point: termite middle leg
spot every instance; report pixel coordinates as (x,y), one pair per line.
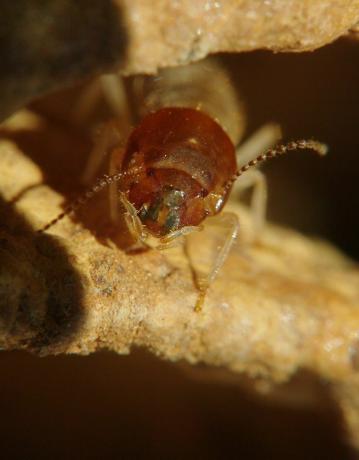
(114,132)
(109,87)
(256,179)
(114,92)
(108,136)
(264,138)
(86,102)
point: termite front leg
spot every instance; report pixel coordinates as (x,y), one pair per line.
(226,218)
(177,237)
(133,222)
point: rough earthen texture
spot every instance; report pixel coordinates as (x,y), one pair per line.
(283,304)
(54,44)
(171,33)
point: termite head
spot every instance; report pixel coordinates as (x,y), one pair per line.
(166,201)
(162,214)
(186,156)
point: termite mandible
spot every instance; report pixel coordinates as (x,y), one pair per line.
(179,163)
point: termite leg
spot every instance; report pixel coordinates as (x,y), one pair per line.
(176,238)
(204,285)
(133,222)
(256,179)
(115,94)
(114,132)
(86,103)
(264,138)
(113,195)
(109,86)
(108,136)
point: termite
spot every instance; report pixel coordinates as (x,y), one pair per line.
(179,163)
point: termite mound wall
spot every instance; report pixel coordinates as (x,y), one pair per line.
(51,45)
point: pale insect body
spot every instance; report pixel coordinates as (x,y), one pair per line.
(179,164)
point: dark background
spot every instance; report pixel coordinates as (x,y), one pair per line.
(312,95)
(108,406)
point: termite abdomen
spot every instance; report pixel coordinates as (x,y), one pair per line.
(205,85)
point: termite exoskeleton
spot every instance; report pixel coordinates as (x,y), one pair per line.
(179,163)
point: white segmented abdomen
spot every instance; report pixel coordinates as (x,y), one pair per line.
(204,85)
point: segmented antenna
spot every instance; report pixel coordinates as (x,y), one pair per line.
(102,182)
(280,149)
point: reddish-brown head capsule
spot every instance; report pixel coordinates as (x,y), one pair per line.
(183,156)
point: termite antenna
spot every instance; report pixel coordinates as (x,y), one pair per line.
(101,183)
(278,150)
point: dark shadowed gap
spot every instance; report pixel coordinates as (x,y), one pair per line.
(107,406)
(46,45)
(40,291)
(312,95)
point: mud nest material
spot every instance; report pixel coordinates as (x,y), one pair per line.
(48,45)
